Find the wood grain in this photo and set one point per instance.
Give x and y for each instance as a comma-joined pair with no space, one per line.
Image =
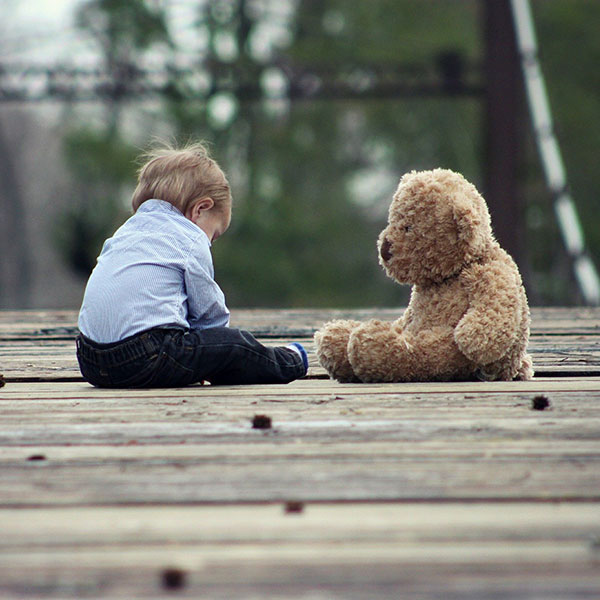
376,550
426,490
38,345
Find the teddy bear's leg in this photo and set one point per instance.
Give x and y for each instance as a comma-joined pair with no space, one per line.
373,347
331,345
382,352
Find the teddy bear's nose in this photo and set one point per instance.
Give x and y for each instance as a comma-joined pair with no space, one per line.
386,250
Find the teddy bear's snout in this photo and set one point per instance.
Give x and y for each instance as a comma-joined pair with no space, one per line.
386,250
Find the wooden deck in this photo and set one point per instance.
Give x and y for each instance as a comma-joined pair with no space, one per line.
446,491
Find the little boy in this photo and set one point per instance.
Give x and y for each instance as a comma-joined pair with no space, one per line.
152,314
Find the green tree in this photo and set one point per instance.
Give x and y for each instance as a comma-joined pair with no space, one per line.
312,178
100,159
305,220
101,165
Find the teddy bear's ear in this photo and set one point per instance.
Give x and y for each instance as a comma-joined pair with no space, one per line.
473,228
465,218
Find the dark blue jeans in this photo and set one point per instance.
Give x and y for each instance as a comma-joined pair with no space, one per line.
175,358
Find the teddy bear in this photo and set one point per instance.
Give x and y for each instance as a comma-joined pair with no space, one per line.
467,318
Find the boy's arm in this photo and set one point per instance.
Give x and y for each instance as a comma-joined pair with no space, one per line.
205,300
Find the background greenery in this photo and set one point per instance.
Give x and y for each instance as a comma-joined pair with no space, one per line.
312,179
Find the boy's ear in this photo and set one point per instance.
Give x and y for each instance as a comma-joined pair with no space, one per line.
196,209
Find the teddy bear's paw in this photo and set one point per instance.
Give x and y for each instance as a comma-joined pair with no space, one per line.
525,372
331,344
512,367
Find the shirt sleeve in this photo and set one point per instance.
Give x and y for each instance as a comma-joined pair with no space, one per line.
205,300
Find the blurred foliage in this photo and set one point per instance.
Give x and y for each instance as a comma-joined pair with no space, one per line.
122,28
101,167
385,31
312,179
100,160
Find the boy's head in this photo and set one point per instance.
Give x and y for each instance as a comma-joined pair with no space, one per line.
182,177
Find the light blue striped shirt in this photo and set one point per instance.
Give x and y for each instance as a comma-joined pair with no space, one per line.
155,271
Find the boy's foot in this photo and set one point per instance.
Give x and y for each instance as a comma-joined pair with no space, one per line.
299,348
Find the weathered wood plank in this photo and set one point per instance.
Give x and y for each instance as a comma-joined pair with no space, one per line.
250,571
204,407
38,345
149,452
327,442
350,551
102,491
55,360
574,400
286,322
295,576
340,478
305,468
321,523
311,386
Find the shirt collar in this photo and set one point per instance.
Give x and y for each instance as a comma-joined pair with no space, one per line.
160,205
156,205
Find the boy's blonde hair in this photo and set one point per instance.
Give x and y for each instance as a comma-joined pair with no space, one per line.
180,176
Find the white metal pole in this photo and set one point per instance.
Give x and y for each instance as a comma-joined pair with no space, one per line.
552,162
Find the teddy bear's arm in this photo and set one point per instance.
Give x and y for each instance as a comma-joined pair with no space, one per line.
490,326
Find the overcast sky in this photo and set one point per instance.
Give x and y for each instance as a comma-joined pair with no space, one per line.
41,13
36,29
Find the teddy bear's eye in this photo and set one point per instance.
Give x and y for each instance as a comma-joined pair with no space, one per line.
407,228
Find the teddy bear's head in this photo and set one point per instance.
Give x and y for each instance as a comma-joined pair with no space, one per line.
437,224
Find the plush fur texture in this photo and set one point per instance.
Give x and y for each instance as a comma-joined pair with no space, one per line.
468,316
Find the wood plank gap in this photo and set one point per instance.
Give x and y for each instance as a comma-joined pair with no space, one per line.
448,500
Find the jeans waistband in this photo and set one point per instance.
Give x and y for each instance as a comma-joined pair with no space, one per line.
140,345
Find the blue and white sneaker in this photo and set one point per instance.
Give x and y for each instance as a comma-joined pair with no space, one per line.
299,348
